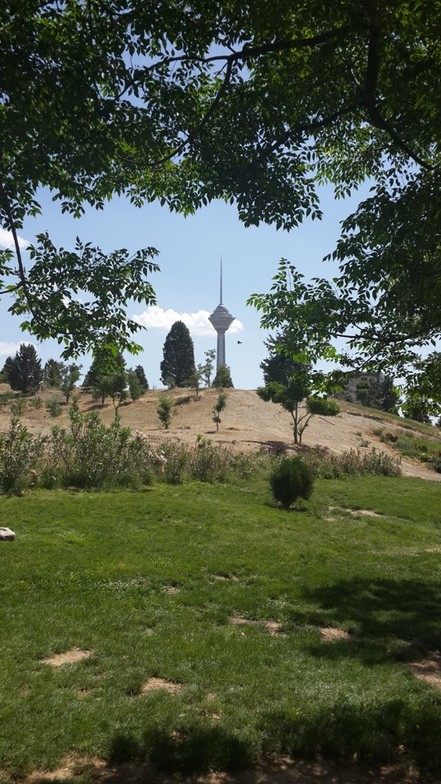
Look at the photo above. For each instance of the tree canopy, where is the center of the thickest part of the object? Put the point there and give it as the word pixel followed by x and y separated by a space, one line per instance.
pixel 177 366
pixel 256 103
pixel 24 371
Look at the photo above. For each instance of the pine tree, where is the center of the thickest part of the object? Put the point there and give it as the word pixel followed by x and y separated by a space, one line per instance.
pixel 6 370
pixel 135 389
pixel 25 373
pixel 177 366
pixel 277 366
pixel 52 373
pixel 144 384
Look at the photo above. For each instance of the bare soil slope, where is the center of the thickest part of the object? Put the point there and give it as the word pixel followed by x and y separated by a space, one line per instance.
pixel 248 423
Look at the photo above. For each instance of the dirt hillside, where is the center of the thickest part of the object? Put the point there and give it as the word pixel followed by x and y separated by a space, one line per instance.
pixel 248 423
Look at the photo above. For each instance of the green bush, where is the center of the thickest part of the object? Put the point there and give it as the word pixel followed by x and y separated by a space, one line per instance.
pixel 18 407
pixel 328 465
pixel 164 410
pixel 93 455
pixel 290 480
pixel 53 407
pixel 20 455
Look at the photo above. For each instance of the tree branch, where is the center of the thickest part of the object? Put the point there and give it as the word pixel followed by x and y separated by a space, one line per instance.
pixel 369 100
pixel 21 270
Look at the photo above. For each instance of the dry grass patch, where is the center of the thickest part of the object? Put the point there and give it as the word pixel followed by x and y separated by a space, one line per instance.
pixel 69 657
pixel 272 627
pixel 333 633
pixel 281 770
pixel 70 767
pixel 153 684
pixel 352 512
pixel 428 670
pixel 226 578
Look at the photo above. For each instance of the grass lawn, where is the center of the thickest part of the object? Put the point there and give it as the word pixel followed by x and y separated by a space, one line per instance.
pixel 223 599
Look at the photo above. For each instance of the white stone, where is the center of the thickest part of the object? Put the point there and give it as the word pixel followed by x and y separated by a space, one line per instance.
pixel 6 535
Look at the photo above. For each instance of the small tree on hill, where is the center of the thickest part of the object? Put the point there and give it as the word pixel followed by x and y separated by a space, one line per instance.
pixel 6 370
pixel 164 410
pixel 25 374
pixel 178 356
pixel 100 379
pixel 195 380
pixel 206 369
pixel 291 395
pixel 136 390
pixel 117 386
pixel 69 376
pixel 52 373
pixel 223 378
pixel 221 403
pixel 144 384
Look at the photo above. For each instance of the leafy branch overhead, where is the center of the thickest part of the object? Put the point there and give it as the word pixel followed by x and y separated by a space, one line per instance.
pixel 257 104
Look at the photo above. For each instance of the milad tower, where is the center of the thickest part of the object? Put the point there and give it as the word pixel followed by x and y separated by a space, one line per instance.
pixel 221 320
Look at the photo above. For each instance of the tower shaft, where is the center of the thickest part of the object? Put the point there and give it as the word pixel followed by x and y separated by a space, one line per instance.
pixel 221 320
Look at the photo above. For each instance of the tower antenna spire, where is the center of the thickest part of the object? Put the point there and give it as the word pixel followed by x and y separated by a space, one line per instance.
pixel 221 298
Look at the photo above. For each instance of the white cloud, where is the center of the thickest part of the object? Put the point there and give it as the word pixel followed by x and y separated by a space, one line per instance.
pixel 155 317
pixel 6 240
pixel 6 349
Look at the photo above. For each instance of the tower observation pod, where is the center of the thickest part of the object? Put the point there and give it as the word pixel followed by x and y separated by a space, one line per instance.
pixel 221 320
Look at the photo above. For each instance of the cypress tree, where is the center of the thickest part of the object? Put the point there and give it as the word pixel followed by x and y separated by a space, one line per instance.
pixel 177 366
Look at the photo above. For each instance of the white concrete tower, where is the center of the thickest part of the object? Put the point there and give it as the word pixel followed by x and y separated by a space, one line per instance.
pixel 221 320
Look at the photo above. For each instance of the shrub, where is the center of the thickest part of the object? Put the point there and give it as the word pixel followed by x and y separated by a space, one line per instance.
pixel 18 407
pixel 208 463
pixel 290 480
pixel 53 407
pixel 436 463
pixel 327 465
pixel 175 461
pixel 164 410
pixel 93 455
pixel 20 455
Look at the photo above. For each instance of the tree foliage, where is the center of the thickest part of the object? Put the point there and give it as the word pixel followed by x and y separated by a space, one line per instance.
pixel 219 406
pixel 257 103
pixel 206 368
pixel 142 378
pixel 277 366
pixel 291 479
pixel 70 374
pixel 223 378
pixel 25 371
pixel 106 379
pixel 52 373
pixel 177 366
pixel 165 410
pixel 297 387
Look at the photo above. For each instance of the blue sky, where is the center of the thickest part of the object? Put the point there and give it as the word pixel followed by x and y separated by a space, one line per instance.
pixel 187 285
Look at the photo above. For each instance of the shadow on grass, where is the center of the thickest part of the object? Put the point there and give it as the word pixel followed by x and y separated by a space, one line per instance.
pixel 390 618
pixel 196 748
pixel 393 732
pixel 381 732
